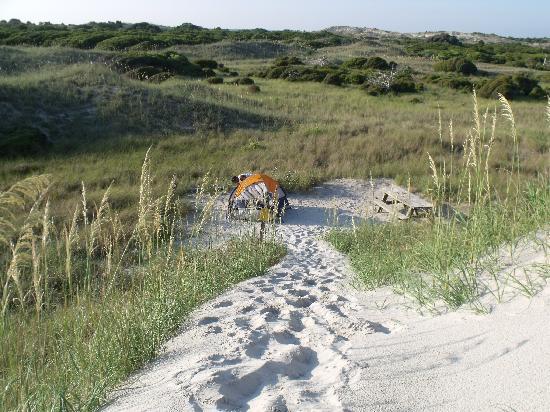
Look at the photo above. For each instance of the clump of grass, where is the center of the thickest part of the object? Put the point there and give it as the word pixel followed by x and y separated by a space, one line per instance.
pixel 442 260
pixel 86 302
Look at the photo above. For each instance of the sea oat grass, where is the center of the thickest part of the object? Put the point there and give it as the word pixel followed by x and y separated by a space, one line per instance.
pixel 441 260
pixel 87 302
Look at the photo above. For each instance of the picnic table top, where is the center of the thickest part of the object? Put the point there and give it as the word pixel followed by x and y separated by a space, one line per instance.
pixel 407 198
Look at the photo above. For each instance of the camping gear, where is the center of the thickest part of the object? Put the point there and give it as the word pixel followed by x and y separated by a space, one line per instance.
pixel 255 196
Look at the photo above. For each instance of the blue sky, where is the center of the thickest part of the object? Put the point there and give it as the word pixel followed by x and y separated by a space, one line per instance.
pixel 507 17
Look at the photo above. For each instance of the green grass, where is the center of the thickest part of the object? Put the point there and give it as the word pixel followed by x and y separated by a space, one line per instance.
pixel 84 304
pixel 75 354
pixel 101 122
pixel 89 296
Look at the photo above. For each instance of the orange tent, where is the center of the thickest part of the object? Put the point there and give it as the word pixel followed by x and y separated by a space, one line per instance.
pixel 257 191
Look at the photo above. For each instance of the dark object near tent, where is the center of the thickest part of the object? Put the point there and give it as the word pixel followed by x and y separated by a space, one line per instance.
pixel 256 193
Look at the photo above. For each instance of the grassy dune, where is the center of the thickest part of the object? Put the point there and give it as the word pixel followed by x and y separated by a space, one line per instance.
pixel 91 283
pixel 101 122
pixel 457 257
pixel 83 305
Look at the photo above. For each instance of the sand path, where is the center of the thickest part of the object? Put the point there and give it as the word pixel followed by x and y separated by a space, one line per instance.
pixel 302 338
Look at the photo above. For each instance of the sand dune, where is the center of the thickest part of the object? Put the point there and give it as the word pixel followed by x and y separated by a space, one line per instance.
pixel 304 337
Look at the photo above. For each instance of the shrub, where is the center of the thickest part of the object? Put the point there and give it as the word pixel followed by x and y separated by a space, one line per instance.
pixel 451 80
pixel 275 72
pixel 355 78
pixel 405 85
pixel 305 74
pixel 243 81
pixel 160 77
pixel 207 64
pixel 456 65
pixel 396 83
pixel 512 87
pixel 23 141
pixel 376 63
pixel 334 79
pixel 149 45
pixel 538 93
pixel 208 72
pixel 287 61
pixel 153 63
pixel 143 72
pixel 253 88
pixel 445 38
pixel 215 80
pixel 356 63
pixel 120 42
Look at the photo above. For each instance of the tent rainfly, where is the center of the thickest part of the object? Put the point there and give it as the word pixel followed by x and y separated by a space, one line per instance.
pixel 257 192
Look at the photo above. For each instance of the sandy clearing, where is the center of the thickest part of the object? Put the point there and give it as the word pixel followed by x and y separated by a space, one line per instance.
pixel 302 337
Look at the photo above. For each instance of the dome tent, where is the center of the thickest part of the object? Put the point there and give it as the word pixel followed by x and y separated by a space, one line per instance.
pixel 254 193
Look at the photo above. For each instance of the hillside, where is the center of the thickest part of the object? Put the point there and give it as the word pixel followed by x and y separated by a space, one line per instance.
pixel 125 279
pixel 369 32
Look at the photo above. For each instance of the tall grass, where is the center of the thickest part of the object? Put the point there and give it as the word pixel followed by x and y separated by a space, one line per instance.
pixel 87 301
pixel 448 258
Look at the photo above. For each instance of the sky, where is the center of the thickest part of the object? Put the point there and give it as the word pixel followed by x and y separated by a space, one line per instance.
pixel 525 18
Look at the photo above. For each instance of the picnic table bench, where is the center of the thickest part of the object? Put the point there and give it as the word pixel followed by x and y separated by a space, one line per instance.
pixel 394 200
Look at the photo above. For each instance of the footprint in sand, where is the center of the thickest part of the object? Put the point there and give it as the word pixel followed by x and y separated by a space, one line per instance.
pixel 271 313
pixel 285 337
pixel 224 304
pixel 257 344
pixel 295 322
pixel 299 292
pixel 208 320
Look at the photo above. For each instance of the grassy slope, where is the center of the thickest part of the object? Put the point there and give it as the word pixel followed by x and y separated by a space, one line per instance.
pixel 313 130
pixel 320 131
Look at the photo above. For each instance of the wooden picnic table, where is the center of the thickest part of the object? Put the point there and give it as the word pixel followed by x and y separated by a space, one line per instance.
pixel 395 199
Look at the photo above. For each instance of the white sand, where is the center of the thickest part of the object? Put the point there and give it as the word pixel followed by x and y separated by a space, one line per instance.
pixel 303 338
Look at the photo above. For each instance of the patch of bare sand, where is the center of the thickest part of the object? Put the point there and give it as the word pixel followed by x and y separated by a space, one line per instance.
pixel 302 337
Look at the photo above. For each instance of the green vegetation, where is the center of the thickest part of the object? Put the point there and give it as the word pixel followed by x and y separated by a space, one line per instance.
pixel 119 36
pixel 510 53
pixel 444 260
pixel 513 87
pixel 456 65
pixel 86 122
pixel 85 303
pixel 373 73
pixel 88 275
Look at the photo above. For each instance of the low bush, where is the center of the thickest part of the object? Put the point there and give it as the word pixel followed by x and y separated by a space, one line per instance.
pixel 456 65
pixel 512 87
pixel 149 45
pixel 207 64
pixel 137 63
pixel 445 38
pixel 334 79
pixel 208 73
pixel 215 80
pixel 287 61
pixel 23 141
pixel 120 42
pixel 451 80
pixel 253 88
pixel 244 81
pixel 399 82
pixel 356 77
pixel 376 63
